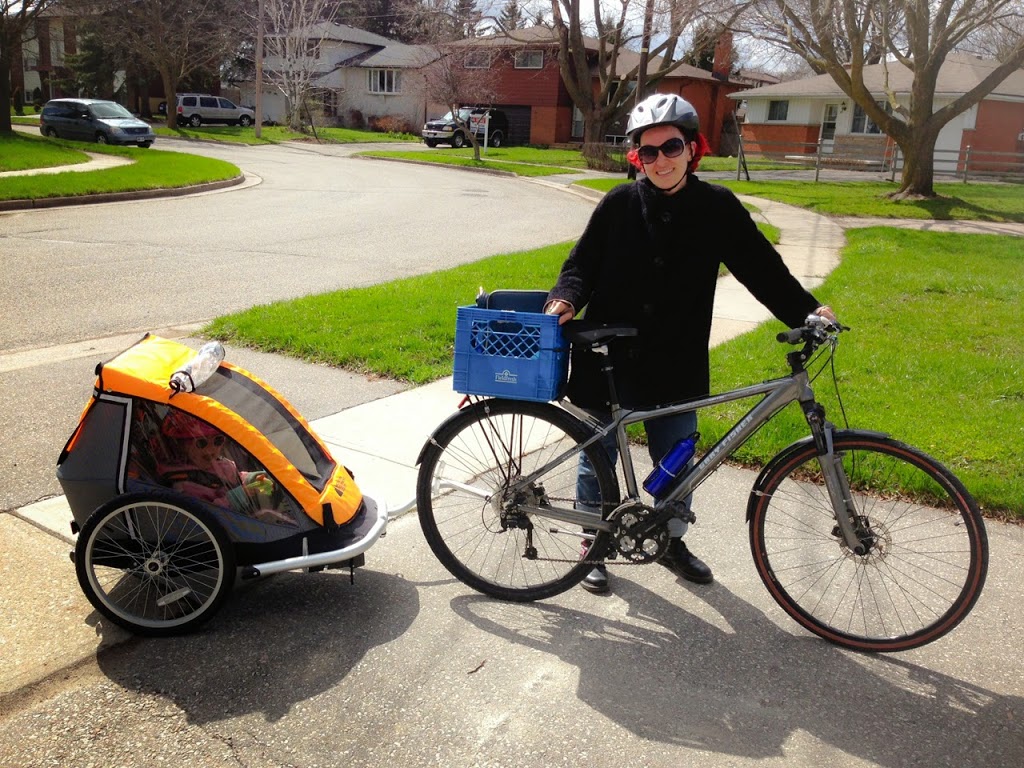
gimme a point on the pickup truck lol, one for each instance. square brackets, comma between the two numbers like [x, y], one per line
[444, 130]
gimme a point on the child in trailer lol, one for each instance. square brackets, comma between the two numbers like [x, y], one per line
[208, 475]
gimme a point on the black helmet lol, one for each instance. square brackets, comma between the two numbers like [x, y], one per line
[662, 109]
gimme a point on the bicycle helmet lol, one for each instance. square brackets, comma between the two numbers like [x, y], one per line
[182, 425]
[662, 109]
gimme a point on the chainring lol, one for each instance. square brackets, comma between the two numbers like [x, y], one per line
[628, 539]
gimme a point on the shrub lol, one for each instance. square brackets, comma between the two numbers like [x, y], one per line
[356, 119]
[391, 124]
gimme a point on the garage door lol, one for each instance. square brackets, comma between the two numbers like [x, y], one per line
[518, 124]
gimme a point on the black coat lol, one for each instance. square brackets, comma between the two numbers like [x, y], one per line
[651, 260]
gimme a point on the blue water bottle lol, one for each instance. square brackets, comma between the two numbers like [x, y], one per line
[671, 464]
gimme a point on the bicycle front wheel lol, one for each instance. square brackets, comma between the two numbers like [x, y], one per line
[926, 552]
[476, 524]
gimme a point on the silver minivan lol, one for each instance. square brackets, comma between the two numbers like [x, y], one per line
[197, 108]
[105, 122]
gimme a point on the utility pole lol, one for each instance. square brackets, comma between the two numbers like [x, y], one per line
[259, 72]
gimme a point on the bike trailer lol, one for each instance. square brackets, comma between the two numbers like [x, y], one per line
[234, 446]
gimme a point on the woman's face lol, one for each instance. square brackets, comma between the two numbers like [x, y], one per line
[666, 173]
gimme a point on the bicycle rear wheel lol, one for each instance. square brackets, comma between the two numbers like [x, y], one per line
[927, 552]
[476, 526]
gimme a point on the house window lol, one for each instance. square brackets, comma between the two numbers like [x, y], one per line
[477, 60]
[529, 59]
[864, 124]
[778, 110]
[312, 48]
[385, 81]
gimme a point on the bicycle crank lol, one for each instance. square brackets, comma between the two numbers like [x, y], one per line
[632, 535]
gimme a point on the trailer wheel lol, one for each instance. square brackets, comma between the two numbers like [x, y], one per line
[156, 563]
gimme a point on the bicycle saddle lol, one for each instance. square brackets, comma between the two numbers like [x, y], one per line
[582, 331]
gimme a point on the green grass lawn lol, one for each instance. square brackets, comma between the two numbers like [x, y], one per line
[151, 169]
[912, 300]
[968, 202]
[274, 134]
[486, 162]
[20, 151]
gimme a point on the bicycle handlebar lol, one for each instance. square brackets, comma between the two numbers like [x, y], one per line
[815, 330]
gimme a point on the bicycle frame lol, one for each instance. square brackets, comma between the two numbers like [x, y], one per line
[777, 394]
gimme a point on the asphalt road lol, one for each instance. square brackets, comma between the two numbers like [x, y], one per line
[318, 220]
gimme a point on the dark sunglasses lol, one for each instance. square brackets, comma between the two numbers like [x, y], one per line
[202, 442]
[671, 148]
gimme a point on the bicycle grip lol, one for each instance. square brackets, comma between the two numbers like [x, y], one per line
[794, 336]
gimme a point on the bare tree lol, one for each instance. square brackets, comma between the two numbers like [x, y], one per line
[842, 37]
[634, 23]
[446, 81]
[17, 24]
[296, 30]
[176, 38]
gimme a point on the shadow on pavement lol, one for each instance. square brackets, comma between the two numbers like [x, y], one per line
[739, 685]
[272, 646]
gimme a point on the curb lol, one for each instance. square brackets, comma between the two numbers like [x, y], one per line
[113, 197]
[452, 166]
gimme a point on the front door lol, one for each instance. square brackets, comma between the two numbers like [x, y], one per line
[828, 127]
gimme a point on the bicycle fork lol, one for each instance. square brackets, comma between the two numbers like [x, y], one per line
[836, 482]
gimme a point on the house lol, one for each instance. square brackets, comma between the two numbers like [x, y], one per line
[791, 117]
[358, 77]
[38, 73]
[531, 92]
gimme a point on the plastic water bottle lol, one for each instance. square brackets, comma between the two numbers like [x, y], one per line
[198, 369]
[671, 464]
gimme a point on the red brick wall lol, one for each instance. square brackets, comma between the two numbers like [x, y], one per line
[774, 139]
[998, 125]
[544, 125]
[534, 87]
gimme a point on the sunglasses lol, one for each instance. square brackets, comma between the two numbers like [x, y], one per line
[202, 442]
[671, 148]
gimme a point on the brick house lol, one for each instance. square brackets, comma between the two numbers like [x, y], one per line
[531, 92]
[791, 117]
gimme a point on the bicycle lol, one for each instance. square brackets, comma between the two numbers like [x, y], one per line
[865, 541]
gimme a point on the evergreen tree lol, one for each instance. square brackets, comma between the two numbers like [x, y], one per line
[512, 16]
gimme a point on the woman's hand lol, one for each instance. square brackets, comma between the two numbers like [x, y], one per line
[563, 309]
[827, 313]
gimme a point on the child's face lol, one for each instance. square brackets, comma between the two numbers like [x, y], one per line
[203, 451]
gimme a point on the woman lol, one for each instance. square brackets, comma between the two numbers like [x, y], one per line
[649, 257]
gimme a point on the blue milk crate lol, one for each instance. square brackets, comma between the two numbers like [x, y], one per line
[516, 355]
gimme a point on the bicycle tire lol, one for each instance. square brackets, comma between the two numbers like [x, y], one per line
[486, 445]
[928, 554]
[156, 563]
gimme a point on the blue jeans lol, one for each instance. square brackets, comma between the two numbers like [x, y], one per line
[662, 434]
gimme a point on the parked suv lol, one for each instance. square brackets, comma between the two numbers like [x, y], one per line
[197, 108]
[444, 130]
[105, 122]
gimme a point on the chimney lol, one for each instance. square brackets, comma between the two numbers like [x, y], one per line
[722, 66]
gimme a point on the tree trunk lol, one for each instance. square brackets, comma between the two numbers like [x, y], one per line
[170, 96]
[595, 150]
[918, 168]
[5, 89]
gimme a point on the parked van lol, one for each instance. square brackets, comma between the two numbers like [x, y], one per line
[197, 108]
[105, 122]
